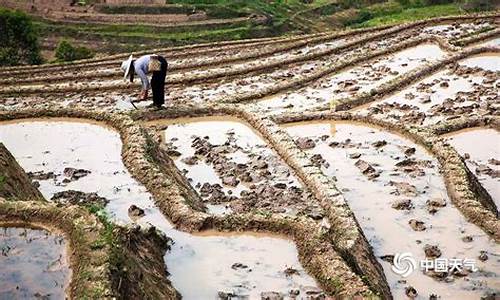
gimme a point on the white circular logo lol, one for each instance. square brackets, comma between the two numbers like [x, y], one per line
[404, 264]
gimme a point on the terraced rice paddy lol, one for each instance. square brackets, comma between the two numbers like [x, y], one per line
[297, 168]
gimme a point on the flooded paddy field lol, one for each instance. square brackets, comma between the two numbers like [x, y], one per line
[484, 161]
[233, 169]
[459, 30]
[356, 80]
[468, 88]
[33, 264]
[325, 184]
[85, 165]
[395, 189]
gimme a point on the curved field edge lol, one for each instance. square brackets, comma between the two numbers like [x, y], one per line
[313, 242]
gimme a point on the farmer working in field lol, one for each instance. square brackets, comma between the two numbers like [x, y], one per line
[142, 66]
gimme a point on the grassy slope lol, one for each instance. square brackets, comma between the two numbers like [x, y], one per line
[413, 14]
[285, 17]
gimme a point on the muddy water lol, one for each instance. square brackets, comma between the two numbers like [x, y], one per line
[458, 30]
[486, 61]
[387, 228]
[483, 147]
[442, 96]
[33, 264]
[245, 147]
[200, 266]
[356, 80]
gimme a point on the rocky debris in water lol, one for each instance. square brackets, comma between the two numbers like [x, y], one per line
[291, 271]
[135, 212]
[379, 144]
[367, 169]
[434, 204]
[388, 258]
[413, 166]
[444, 84]
[403, 188]
[319, 161]
[78, 197]
[190, 160]
[41, 175]
[173, 153]
[408, 151]
[484, 169]
[417, 225]
[483, 256]
[226, 295]
[271, 296]
[73, 174]
[305, 143]
[402, 204]
[294, 293]
[467, 239]
[354, 155]
[236, 266]
[432, 251]
[494, 161]
[411, 292]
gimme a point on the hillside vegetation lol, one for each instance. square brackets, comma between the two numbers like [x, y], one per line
[106, 28]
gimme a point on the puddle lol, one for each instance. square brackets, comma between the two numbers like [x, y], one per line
[33, 264]
[483, 148]
[387, 228]
[356, 80]
[445, 95]
[204, 262]
[233, 169]
[487, 61]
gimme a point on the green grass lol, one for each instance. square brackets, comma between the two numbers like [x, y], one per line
[413, 14]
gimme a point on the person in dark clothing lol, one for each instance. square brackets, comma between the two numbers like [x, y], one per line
[141, 67]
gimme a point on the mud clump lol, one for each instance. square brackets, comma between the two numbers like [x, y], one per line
[79, 198]
[73, 174]
[367, 169]
[250, 177]
[432, 251]
[41, 175]
[135, 212]
[305, 143]
[417, 225]
[403, 204]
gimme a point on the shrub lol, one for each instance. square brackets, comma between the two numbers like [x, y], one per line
[18, 39]
[67, 52]
[477, 5]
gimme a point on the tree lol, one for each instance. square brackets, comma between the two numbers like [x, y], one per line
[18, 39]
[67, 52]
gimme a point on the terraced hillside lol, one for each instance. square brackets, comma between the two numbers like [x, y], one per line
[303, 167]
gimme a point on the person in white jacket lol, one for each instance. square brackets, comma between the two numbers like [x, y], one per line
[140, 67]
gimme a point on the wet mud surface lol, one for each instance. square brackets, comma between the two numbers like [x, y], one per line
[469, 88]
[484, 161]
[399, 198]
[233, 169]
[33, 264]
[192, 259]
[351, 82]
